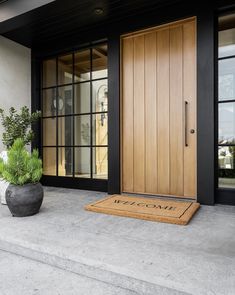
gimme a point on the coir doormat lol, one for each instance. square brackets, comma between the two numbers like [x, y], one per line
[169, 211]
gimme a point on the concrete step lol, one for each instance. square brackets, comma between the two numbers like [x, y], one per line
[20, 275]
[114, 282]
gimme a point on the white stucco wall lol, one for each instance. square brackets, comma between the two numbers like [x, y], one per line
[15, 76]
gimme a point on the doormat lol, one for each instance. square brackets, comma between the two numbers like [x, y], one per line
[168, 211]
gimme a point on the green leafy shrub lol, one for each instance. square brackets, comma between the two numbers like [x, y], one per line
[1, 167]
[18, 125]
[21, 167]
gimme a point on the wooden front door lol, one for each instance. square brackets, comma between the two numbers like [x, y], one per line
[159, 110]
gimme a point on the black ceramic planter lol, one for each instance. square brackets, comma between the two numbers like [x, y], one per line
[24, 200]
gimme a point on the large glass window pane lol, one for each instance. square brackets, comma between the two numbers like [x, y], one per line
[227, 35]
[227, 79]
[49, 102]
[82, 98]
[226, 155]
[49, 73]
[82, 162]
[82, 65]
[65, 100]
[65, 131]
[99, 62]
[82, 130]
[227, 123]
[100, 96]
[49, 131]
[65, 69]
[49, 161]
[227, 43]
[65, 161]
[100, 129]
[100, 162]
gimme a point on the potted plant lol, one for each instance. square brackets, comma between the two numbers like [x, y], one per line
[23, 171]
[16, 125]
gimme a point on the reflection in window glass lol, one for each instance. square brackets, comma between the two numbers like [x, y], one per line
[227, 123]
[65, 131]
[49, 102]
[82, 98]
[100, 162]
[227, 42]
[226, 155]
[49, 131]
[49, 161]
[99, 62]
[82, 130]
[227, 79]
[65, 69]
[65, 161]
[82, 65]
[100, 96]
[49, 73]
[100, 129]
[65, 100]
[82, 162]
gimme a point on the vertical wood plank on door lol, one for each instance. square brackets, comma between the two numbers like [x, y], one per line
[163, 111]
[189, 94]
[127, 115]
[176, 112]
[150, 114]
[139, 109]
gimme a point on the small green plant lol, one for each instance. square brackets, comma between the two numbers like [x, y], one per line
[21, 167]
[18, 125]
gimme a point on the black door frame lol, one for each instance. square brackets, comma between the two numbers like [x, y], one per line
[205, 95]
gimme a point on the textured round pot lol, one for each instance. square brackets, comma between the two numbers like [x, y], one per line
[24, 200]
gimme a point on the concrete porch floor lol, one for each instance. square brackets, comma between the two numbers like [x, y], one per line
[124, 255]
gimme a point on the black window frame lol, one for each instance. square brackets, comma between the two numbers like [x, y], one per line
[224, 195]
[73, 181]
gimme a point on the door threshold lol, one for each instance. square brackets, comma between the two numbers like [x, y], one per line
[163, 197]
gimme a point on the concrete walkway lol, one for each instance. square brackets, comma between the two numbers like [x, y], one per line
[138, 257]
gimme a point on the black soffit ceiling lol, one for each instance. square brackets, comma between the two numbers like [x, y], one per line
[63, 17]
[52, 23]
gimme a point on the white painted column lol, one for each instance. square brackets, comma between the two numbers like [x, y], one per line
[15, 83]
[15, 76]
